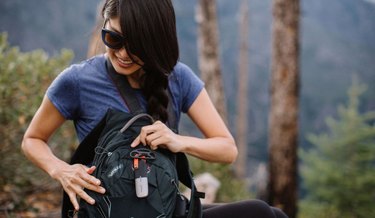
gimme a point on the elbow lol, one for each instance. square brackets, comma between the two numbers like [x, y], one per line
[232, 153]
[24, 145]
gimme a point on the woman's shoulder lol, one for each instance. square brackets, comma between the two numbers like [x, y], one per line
[185, 85]
[181, 68]
[182, 72]
[79, 74]
[92, 65]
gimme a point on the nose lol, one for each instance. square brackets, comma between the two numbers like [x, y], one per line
[122, 52]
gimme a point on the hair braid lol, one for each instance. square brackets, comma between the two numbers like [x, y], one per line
[154, 88]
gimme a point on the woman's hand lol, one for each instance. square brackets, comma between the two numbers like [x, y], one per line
[74, 179]
[158, 135]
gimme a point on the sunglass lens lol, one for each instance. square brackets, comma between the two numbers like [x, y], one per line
[112, 40]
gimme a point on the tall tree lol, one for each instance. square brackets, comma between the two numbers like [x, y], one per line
[208, 47]
[283, 117]
[242, 96]
[338, 171]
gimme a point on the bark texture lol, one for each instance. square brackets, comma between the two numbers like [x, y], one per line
[242, 95]
[283, 123]
[208, 49]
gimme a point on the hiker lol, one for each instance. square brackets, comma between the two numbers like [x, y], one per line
[141, 44]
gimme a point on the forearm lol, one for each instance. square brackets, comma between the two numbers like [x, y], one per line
[38, 152]
[218, 144]
[216, 149]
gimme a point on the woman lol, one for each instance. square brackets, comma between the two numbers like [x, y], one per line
[141, 43]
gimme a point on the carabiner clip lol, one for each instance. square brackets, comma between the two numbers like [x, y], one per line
[142, 153]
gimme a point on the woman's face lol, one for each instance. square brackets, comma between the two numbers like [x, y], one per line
[120, 58]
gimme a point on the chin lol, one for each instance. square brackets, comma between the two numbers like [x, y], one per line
[126, 72]
[126, 69]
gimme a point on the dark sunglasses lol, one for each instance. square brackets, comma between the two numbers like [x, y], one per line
[112, 39]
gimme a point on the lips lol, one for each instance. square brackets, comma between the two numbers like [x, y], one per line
[125, 63]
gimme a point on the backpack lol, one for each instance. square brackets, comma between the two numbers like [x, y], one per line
[139, 182]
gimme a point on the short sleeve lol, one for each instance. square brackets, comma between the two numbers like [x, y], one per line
[190, 85]
[64, 93]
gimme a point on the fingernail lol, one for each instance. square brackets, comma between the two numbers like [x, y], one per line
[102, 190]
[92, 201]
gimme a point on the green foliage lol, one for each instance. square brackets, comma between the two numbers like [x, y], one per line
[339, 172]
[24, 79]
[231, 189]
[313, 209]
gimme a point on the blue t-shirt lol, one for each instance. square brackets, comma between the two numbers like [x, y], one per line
[84, 92]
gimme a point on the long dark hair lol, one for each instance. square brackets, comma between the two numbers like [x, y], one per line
[149, 27]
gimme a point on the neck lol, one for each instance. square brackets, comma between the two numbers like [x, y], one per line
[135, 78]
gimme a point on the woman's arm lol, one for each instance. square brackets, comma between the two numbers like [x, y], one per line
[34, 145]
[217, 146]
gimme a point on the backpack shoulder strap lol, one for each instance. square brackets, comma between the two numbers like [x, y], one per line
[172, 120]
[186, 177]
[123, 86]
[130, 98]
[85, 152]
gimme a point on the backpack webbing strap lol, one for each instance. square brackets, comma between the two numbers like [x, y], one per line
[123, 86]
[130, 98]
[186, 177]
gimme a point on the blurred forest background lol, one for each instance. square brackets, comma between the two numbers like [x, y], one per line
[337, 104]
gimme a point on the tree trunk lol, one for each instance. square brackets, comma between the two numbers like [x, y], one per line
[283, 123]
[208, 47]
[242, 95]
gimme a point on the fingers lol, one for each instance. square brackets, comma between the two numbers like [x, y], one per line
[91, 183]
[74, 189]
[88, 178]
[153, 140]
[73, 199]
[148, 140]
[147, 134]
[75, 179]
[79, 190]
[136, 142]
[145, 131]
[88, 181]
[155, 135]
[91, 170]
